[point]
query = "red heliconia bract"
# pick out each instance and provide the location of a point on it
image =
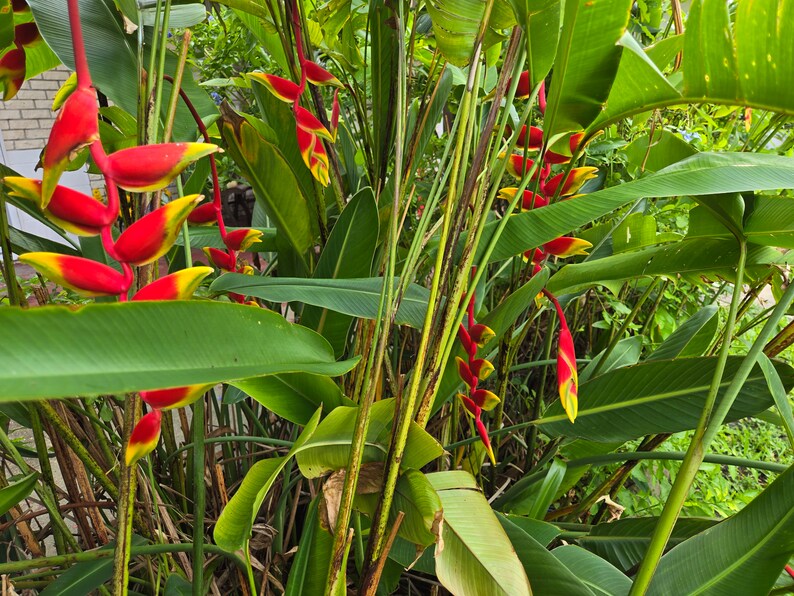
(309, 122)
(26, 34)
(20, 6)
(466, 341)
(335, 114)
(281, 88)
(84, 276)
(481, 334)
(75, 127)
(12, 72)
(221, 259)
(144, 437)
(567, 246)
(524, 88)
(176, 286)
(576, 178)
(533, 141)
(465, 373)
(481, 368)
(242, 239)
(203, 215)
(567, 377)
(152, 167)
(318, 75)
(486, 400)
(177, 397)
(529, 201)
(486, 440)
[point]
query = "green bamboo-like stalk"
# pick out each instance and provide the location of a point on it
(697, 447)
(121, 559)
(200, 497)
(8, 261)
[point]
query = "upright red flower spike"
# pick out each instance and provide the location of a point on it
(178, 397)
(12, 72)
(144, 437)
(176, 286)
(72, 210)
(203, 215)
(152, 236)
(317, 75)
(242, 239)
(566, 246)
(281, 88)
(529, 201)
(84, 276)
(152, 167)
(75, 127)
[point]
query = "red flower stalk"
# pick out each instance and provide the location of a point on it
(144, 437)
(176, 286)
(84, 276)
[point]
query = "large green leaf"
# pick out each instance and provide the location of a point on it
(384, 66)
(476, 556)
(112, 58)
(710, 257)
(771, 222)
(742, 555)
(271, 177)
(747, 60)
(625, 542)
(347, 254)
(701, 174)
(456, 24)
(310, 566)
(328, 449)
(294, 396)
(664, 396)
(233, 529)
(598, 575)
(15, 492)
(541, 21)
(586, 63)
(355, 297)
(99, 349)
(692, 338)
(532, 496)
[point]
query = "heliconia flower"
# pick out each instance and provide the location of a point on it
(319, 152)
(567, 377)
(178, 397)
(553, 157)
(486, 441)
(152, 167)
(26, 34)
(542, 98)
(574, 140)
(144, 437)
(485, 400)
(176, 286)
(567, 246)
(470, 406)
(465, 373)
(532, 141)
(19, 6)
(320, 171)
(152, 236)
(84, 276)
(335, 114)
(12, 72)
(72, 210)
(517, 166)
(75, 127)
(246, 270)
(318, 75)
(69, 85)
(524, 88)
(306, 142)
(309, 122)
(528, 202)
(534, 255)
(481, 368)
(242, 239)
(466, 341)
(203, 215)
(221, 259)
(481, 334)
(281, 88)
(576, 178)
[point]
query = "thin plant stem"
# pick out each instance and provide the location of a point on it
(8, 261)
(200, 496)
(121, 559)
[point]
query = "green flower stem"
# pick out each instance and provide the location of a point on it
(697, 448)
(9, 273)
(121, 559)
(200, 496)
(726, 460)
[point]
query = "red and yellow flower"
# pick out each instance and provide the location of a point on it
(84, 276)
(152, 167)
(177, 286)
(144, 437)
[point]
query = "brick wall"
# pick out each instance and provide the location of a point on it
(25, 121)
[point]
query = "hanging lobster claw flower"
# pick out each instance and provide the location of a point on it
(319, 163)
(12, 72)
(530, 200)
(532, 141)
(566, 246)
(553, 157)
(567, 377)
(486, 441)
(517, 166)
(524, 88)
(309, 122)
(485, 400)
(465, 373)
(242, 239)
(152, 167)
(317, 75)
(576, 178)
(176, 286)
(281, 88)
(203, 215)
(466, 341)
(221, 259)
(68, 86)
(84, 276)
(26, 35)
(335, 114)
(75, 127)
(178, 397)
(481, 368)
(481, 334)
(152, 236)
(144, 437)
(72, 210)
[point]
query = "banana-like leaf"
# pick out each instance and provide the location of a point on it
(692, 338)
(742, 555)
(15, 492)
(136, 346)
(586, 63)
(664, 396)
(22, 242)
(384, 65)
(541, 20)
(744, 60)
(347, 254)
(771, 222)
(354, 297)
(328, 449)
(626, 353)
(710, 257)
(456, 24)
(112, 58)
(701, 174)
(599, 576)
(533, 499)
(651, 155)
(625, 542)
(310, 566)
(233, 529)
(477, 556)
